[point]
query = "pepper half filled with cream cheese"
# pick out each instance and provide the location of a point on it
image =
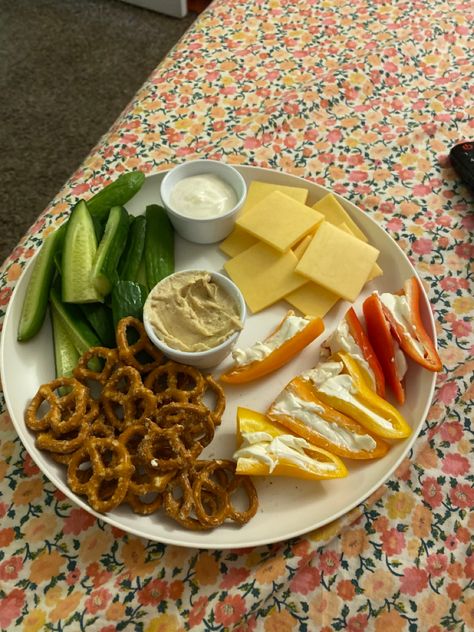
(266, 448)
(290, 337)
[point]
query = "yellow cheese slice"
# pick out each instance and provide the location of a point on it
(376, 269)
(238, 241)
(264, 275)
(338, 261)
(312, 300)
(335, 214)
(258, 190)
(280, 221)
(302, 245)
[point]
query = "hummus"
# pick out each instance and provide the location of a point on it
(189, 312)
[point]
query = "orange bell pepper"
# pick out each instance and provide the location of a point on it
(411, 335)
(265, 448)
(380, 335)
(352, 396)
(279, 356)
(337, 433)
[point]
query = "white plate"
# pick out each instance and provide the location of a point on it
(288, 507)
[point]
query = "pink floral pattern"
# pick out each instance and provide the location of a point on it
(366, 98)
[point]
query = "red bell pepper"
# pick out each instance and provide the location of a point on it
(380, 336)
(411, 335)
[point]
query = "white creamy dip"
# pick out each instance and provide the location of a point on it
(309, 413)
(342, 340)
(400, 310)
(260, 350)
(203, 196)
(261, 447)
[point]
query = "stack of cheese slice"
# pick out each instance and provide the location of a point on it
(310, 256)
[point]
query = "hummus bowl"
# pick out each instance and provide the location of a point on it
(203, 309)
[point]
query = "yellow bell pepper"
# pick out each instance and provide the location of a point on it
(353, 397)
(265, 448)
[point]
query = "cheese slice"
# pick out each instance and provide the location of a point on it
(338, 261)
(312, 300)
(257, 191)
(376, 269)
(280, 221)
(301, 246)
(238, 241)
(264, 275)
(336, 214)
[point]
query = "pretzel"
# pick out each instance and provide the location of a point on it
(166, 449)
(141, 354)
(107, 474)
(125, 400)
(178, 501)
(173, 382)
(59, 413)
(65, 443)
(103, 361)
(219, 403)
(196, 420)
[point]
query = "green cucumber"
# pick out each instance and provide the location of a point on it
(117, 193)
(112, 244)
(129, 264)
(159, 245)
(80, 246)
(66, 355)
(99, 317)
(75, 325)
(128, 299)
(35, 303)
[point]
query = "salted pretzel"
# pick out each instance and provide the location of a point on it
(65, 399)
(167, 449)
(69, 441)
(101, 470)
(141, 353)
(173, 382)
(124, 398)
(96, 364)
(178, 501)
(196, 420)
(217, 410)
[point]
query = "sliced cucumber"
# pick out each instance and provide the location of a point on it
(132, 256)
(80, 246)
(104, 272)
(66, 355)
(159, 245)
(35, 303)
(76, 327)
(128, 299)
(117, 193)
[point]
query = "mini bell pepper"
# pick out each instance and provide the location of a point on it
(285, 350)
(380, 336)
(407, 326)
(331, 429)
(265, 448)
(349, 393)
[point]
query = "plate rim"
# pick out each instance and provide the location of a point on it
(109, 518)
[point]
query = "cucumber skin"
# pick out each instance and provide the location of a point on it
(66, 355)
(104, 273)
(159, 245)
(74, 263)
(129, 264)
(128, 299)
(99, 317)
(117, 193)
(35, 303)
(81, 334)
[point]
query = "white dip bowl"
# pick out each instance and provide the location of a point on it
(203, 230)
(200, 359)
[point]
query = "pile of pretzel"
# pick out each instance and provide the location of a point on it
(130, 426)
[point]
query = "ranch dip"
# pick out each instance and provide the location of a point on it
(190, 312)
(202, 196)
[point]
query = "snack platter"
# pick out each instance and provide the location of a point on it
(287, 507)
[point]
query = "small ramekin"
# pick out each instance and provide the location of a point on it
(203, 230)
(211, 357)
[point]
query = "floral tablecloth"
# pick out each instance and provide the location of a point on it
(365, 97)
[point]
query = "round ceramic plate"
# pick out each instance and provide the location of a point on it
(287, 507)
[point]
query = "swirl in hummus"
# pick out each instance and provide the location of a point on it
(189, 312)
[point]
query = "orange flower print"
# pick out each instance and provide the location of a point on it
(230, 610)
(207, 569)
(393, 541)
(390, 622)
(34, 621)
(97, 601)
(280, 621)
(6, 536)
(421, 521)
(399, 505)
(164, 623)
(115, 612)
(65, 607)
(270, 570)
(432, 608)
(94, 545)
(14, 272)
(10, 607)
(378, 585)
(323, 608)
(345, 589)
(41, 528)
(133, 556)
(353, 541)
(466, 612)
(27, 491)
(46, 566)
